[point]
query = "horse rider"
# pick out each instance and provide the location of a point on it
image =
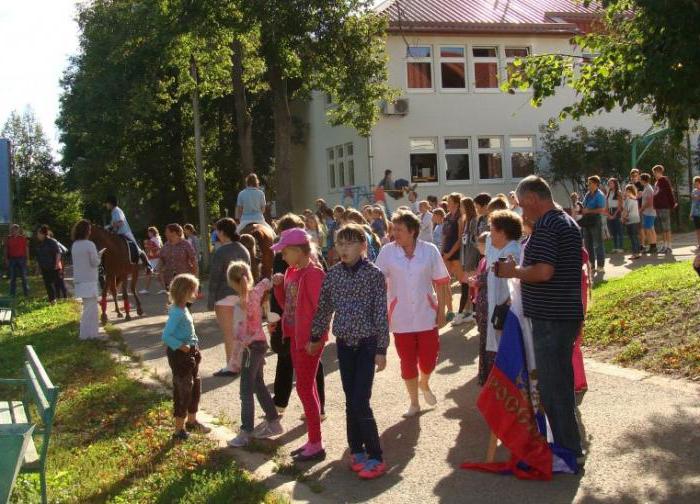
(250, 205)
(120, 226)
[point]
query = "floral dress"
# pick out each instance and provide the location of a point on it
(481, 313)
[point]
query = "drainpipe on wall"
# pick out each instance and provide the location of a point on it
(370, 161)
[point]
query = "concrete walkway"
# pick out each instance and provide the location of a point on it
(617, 265)
(641, 431)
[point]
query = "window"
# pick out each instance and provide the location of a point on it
(331, 168)
(490, 150)
(452, 68)
(351, 172)
(423, 160)
(341, 174)
(350, 163)
(513, 53)
(485, 67)
(419, 67)
(457, 159)
(522, 155)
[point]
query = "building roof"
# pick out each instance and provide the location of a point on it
(487, 16)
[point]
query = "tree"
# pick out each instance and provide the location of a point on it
(41, 196)
(570, 159)
(335, 46)
(645, 54)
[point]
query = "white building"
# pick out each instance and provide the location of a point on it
(452, 129)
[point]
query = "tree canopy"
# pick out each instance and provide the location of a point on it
(642, 53)
(126, 114)
(41, 195)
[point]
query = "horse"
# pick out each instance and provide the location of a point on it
(118, 270)
(264, 238)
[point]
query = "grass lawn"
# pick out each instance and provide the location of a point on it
(111, 440)
(648, 319)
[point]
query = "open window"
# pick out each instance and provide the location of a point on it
(423, 160)
(453, 68)
(457, 159)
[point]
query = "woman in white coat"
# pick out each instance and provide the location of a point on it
(86, 261)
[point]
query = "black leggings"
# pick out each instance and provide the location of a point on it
(284, 379)
(464, 298)
(50, 278)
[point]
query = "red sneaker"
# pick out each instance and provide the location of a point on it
(358, 461)
(373, 469)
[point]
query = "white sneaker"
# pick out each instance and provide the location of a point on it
(411, 412)
(268, 429)
(243, 439)
(143, 291)
(429, 397)
(162, 291)
(662, 249)
(469, 317)
(458, 320)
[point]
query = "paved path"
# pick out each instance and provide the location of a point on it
(641, 431)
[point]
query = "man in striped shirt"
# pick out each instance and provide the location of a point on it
(550, 276)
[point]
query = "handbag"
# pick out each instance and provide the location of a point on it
(470, 252)
(589, 220)
(500, 312)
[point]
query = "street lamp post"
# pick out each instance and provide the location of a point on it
(201, 201)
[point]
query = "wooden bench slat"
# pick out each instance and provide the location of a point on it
(36, 392)
(39, 371)
(12, 412)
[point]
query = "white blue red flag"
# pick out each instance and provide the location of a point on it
(509, 402)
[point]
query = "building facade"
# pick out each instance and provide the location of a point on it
(452, 129)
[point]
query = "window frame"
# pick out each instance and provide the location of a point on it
(411, 59)
(330, 168)
(469, 151)
(349, 150)
(502, 151)
(512, 150)
(452, 59)
(480, 59)
(435, 150)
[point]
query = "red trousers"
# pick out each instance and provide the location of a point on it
(305, 367)
(417, 350)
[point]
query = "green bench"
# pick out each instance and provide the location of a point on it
(40, 396)
(7, 312)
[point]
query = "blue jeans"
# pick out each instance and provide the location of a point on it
(616, 232)
(554, 345)
(16, 267)
(593, 238)
(253, 384)
(633, 233)
(356, 366)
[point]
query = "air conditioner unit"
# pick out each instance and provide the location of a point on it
(399, 107)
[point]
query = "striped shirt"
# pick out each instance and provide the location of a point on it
(556, 240)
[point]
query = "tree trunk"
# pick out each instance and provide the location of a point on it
(283, 139)
(244, 121)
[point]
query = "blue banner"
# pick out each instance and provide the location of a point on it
(5, 182)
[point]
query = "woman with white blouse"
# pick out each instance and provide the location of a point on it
(416, 277)
(86, 261)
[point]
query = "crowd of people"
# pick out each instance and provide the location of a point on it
(375, 275)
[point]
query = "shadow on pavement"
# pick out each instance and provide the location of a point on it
(399, 441)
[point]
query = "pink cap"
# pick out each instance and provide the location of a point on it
(294, 236)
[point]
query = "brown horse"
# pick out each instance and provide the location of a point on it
(264, 237)
(118, 270)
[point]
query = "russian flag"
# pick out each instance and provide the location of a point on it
(510, 405)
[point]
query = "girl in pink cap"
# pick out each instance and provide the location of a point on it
(297, 292)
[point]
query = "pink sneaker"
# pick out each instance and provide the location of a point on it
(373, 469)
(358, 461)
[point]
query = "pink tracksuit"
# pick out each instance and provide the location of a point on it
(298, 297)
